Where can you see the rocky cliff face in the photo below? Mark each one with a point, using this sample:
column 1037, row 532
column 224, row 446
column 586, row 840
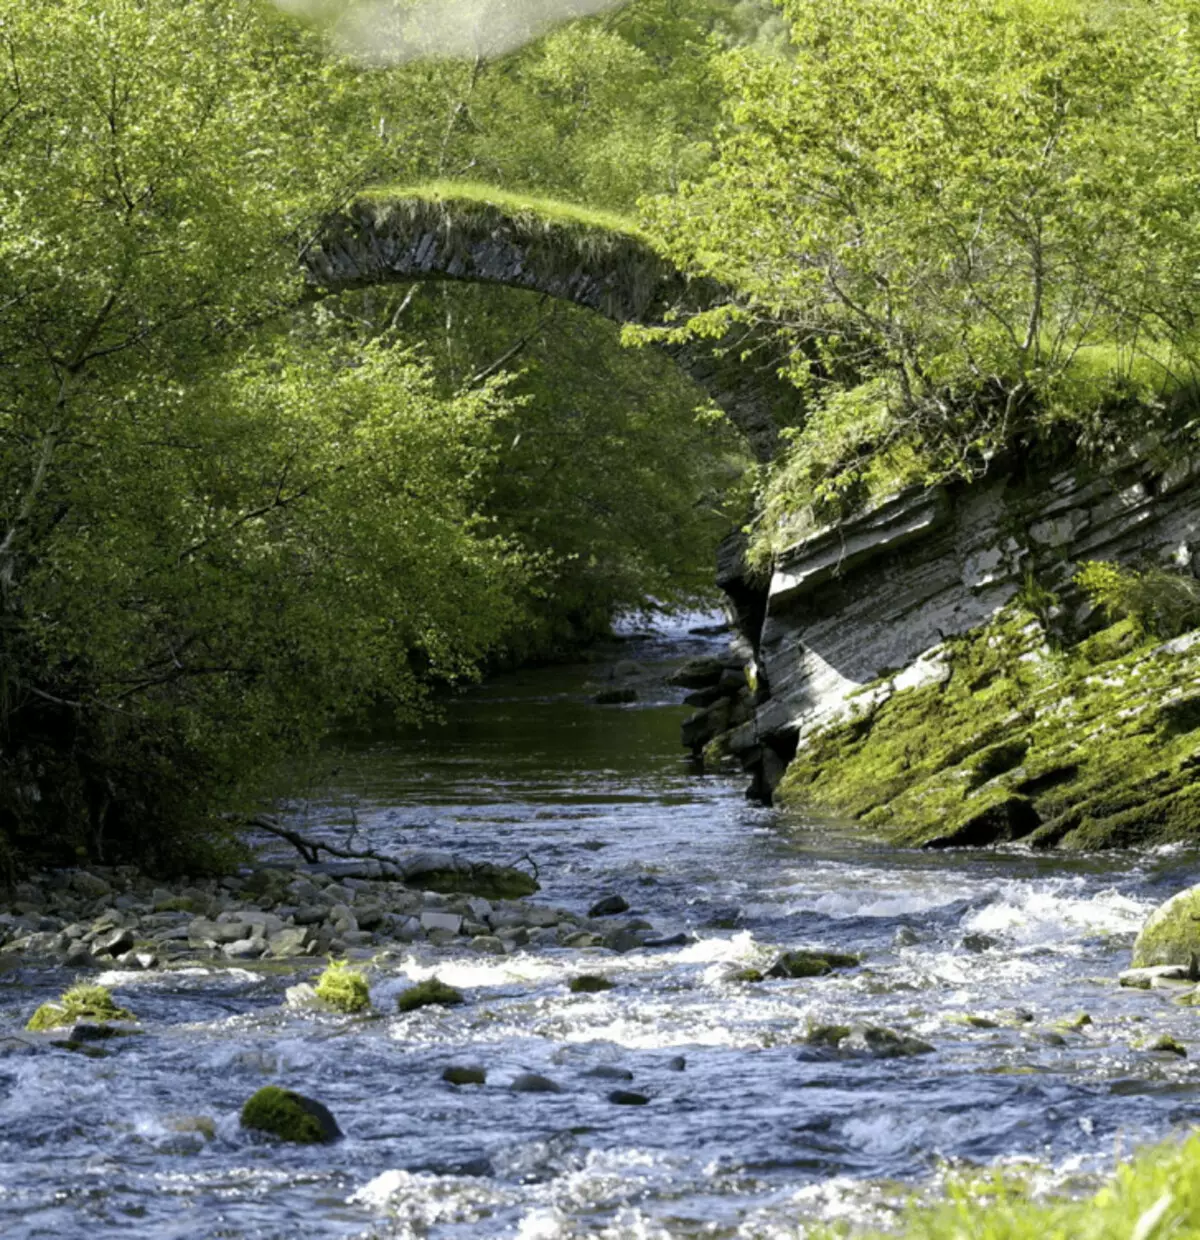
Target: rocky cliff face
column 862, row 620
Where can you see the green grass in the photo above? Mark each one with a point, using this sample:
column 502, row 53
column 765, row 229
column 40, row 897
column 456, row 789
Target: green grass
column 478, row 193
column 1154, row 1197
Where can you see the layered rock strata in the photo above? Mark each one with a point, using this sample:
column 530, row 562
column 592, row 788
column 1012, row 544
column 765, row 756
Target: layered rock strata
column 907, row 640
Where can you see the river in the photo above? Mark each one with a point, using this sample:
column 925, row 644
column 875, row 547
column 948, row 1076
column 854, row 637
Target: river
column 987, row 956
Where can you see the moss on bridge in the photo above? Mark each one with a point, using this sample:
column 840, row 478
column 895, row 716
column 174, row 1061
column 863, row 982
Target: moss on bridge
column 461, row 197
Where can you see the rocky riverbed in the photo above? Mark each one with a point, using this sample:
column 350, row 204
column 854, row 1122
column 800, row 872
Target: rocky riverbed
column 803, row 1024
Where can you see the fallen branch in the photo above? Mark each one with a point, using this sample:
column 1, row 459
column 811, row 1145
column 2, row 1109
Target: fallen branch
column 311, row 849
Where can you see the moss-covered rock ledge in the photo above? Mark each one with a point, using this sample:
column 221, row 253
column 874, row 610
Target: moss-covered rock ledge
column 1003, row 737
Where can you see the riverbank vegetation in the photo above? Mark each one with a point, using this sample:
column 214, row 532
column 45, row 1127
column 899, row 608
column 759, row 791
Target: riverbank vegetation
column 968, row 225
column 233, row 515
column 230, row 518
column 1152, row 1195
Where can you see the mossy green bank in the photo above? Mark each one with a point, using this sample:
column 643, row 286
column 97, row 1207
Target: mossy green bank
column 1091, row 746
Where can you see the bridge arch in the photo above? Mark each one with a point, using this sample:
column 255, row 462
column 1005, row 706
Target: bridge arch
column 592, row 260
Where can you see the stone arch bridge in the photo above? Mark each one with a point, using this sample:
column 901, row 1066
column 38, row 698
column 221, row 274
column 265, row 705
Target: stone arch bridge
column 381, row 239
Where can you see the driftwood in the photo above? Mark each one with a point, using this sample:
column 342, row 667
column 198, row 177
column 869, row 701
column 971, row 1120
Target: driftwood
column 311, row 849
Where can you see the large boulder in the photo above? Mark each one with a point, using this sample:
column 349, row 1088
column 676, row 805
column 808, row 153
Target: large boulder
column 1171, row 934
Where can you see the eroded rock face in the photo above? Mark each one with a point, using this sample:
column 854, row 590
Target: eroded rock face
column 877, row 643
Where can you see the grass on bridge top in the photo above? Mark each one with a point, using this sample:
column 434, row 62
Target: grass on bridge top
column 476, row 193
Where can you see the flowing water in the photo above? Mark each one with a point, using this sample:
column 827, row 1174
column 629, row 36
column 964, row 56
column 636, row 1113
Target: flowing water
column 755, row 1135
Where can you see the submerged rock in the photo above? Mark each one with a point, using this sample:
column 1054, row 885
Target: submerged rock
column 1171, row 935
column 628, row 1098
column 464, row 1074
column 588, row 984
column 608, row 906
column 610, row 1072
column 812, row 963
column 429, row 993
column 874, row 1041
column 614, row 697
column 534, row 1083
column 289, row 1116
column 1146, row 978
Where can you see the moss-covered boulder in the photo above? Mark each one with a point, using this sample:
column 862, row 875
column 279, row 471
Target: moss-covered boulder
column 82, row 1003
column 429, row 993
column 343, row 988
column 811, row 963
column 289, row 1116
column 1171, row 935
column 589, row 984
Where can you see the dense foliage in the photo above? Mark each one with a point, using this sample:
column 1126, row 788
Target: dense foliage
column 226, row 521
column 965, row 221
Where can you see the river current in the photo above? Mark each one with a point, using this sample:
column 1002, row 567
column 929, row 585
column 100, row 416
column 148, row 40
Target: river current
column 988, row 956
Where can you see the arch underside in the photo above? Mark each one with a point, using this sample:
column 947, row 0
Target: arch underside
column 613, row 273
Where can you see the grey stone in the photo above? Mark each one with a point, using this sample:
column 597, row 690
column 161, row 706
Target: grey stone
column 291, row 941
column 488, row 944
column 441, row 921
column 113, row 944
column 534, row 1083
column 608, row 906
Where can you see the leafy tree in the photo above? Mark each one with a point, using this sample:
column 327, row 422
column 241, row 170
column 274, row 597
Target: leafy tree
column 212, row 541
column 961, row 218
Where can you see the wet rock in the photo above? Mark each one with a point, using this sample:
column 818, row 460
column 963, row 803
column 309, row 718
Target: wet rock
column 462, row 1074
column 744, row 975
column 244, row 949
column 978, row 942
column 487, row 944
column 429, row 993
column 84, row 1032
column 302, row 996
column 113, row 943
column 289, row 1116
column 614, row 697
column 906, row 936
column 78, row 956
column 697, row 674
column 1171, row 934
column 882, row 1043
column 588, row 984
column 795, row 964
column 873, row 1041
column 291, row 941
column 205, row 933
column 610, row 1072
column 628, row 1098
column 441, row 921
column 1050, row 1038
column 609, row 906
column 582, row 939
column 343, row 988
column 670, row 940
column 622, row 940
column 534, row 1083
column 1168, row 1045
column 677, row 1063
column 1144, row 978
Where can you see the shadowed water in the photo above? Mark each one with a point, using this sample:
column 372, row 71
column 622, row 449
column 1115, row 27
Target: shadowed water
column 757, row 1134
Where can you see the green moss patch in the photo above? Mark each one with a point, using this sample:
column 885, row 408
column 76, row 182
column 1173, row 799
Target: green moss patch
column 88, row 1004
column 344, row 988
column 1067, row 748
column 588, row 984
column 429, row 993
column 289, row 1116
